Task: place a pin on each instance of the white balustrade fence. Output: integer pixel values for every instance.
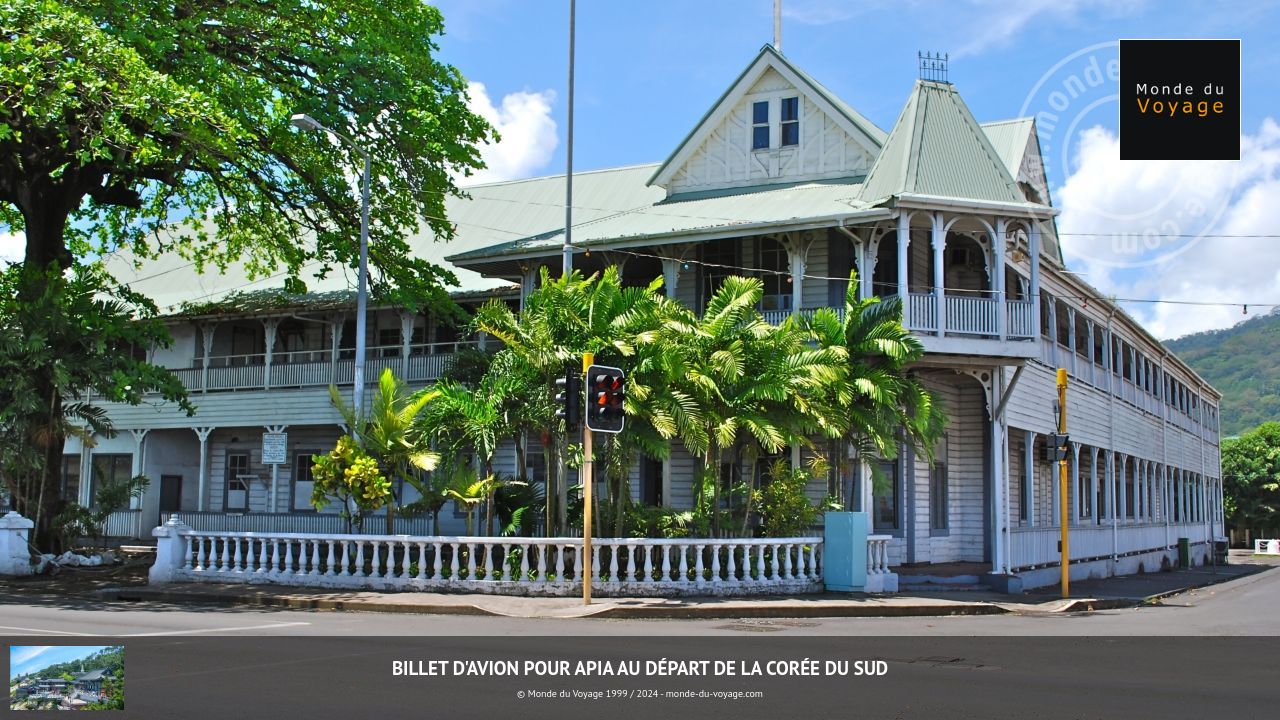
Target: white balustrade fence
(880, 579)
(496, 565)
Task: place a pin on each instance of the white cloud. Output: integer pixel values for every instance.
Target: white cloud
(528, 133)
(1138, 205)
(24, 654)
(13, 246)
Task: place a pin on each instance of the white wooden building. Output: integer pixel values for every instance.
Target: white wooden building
(951, 215)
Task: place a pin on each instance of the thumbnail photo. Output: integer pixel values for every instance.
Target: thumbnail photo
(66, 677)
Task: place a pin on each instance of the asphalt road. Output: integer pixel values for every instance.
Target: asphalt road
(1244, 607)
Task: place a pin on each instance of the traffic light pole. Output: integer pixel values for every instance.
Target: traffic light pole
(1062, 485)
(587, 466)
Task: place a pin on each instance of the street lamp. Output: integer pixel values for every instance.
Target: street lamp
(310, 124)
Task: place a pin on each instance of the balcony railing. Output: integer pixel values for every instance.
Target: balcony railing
(923, 311)
(318, 368)
(971, 315)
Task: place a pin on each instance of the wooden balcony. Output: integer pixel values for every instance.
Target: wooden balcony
(318, 368)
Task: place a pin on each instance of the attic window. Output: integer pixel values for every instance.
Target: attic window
(760, 125)
(790, 121)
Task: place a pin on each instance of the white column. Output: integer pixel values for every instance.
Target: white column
(335, 341)
(528, 282)
(139, 447)
(671, 275)
(904, 242)
(1033, 289)
(867, 264)
(203, 434)
(269, 326)
(1000, 481)
(798, 254)
(997, 280)
(406, 338)
(939, 241)
(206, 335)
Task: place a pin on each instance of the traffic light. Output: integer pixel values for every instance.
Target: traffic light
(606, 389)
(569, 398)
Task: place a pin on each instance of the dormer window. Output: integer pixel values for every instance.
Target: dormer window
(790, 121)
(760, 125)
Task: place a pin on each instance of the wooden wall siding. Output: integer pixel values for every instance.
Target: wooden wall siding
(1017, 466)
(682, 469)
(301, 438)
(965, 456)
(921, 252)
(725, 157)
(814, 291)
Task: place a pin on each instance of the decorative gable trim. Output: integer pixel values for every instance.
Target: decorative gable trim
(865, 134)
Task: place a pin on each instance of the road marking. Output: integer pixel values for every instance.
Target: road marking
(268, 626)
(42, 631)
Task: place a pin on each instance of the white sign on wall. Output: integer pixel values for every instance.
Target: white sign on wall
(274, 448)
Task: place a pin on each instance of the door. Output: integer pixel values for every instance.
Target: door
(170, 493)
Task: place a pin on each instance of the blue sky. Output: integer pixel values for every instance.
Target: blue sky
(646, 72)
(25, 659)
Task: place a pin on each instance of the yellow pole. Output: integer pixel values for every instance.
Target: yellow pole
(587, 360)
(1062, 485)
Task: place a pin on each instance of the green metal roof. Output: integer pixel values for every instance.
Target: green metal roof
(1009, 139)
(694, 213)
(937, 149)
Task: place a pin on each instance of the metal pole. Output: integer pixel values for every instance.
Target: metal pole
(1062, 484)
(568, 175)
(362, 291)
(587, 482)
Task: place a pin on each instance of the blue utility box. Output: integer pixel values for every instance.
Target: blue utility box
(844, 551)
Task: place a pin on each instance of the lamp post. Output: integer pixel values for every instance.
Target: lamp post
(310, 124)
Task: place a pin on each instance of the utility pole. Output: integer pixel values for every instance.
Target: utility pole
(1063, 444)
(568, 153)
(588, 359)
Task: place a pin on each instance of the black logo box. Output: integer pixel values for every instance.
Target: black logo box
(1160, 77)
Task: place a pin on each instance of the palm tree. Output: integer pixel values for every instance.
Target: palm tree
(390, 434)
(877, 396)
(747, 379)
(564, 318)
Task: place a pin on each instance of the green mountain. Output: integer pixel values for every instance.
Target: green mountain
(1243, 363)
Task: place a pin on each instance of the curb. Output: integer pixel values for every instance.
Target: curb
(691, 612)
(710, 611)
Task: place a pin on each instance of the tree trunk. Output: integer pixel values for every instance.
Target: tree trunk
(44, 214)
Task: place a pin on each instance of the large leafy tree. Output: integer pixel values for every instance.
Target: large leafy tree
(159, 127)
(1251, 480)
(82, 336)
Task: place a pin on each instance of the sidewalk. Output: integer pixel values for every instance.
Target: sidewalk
(1088, 595)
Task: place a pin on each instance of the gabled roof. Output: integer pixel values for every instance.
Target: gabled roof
(937, 149)
(1009, 139)
(855, 123)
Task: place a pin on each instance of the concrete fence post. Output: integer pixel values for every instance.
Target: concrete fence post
(170, 551)
(15, 555)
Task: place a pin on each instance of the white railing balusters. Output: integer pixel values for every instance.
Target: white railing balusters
(486, 564)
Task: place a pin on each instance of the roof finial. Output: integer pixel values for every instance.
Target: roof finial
(777, 25)
(933, 66)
